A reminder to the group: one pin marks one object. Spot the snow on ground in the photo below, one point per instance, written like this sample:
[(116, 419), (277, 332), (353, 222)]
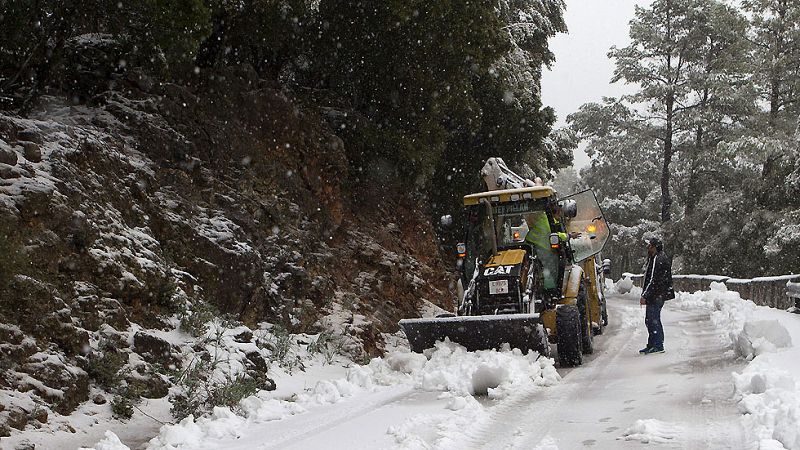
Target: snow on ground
[(722, 346), (454, 374), (652, 430), (768, 389)]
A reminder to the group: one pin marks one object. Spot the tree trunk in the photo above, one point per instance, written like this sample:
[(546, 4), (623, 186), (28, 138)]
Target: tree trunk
[(693, 186), (666, 200)]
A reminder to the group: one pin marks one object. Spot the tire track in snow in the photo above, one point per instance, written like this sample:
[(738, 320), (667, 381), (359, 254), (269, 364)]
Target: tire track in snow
[(523, 421), (684, 394), (294, 431)]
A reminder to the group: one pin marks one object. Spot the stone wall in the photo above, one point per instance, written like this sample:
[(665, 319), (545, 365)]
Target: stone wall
[(793, 291)]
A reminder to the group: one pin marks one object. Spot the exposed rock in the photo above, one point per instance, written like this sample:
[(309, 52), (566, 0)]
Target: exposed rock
[(244, 337), (5, 430), (40, 414), (151, 386), (95, 312), (80, 234), (141, 80), (25, 445), (17, 418), (31, 151), (154, 349), (257, 362), (30, 135), (65, 387), (99, 399), (114, 338), (68, 337), (7, 154), (13, 345), (8, 172)]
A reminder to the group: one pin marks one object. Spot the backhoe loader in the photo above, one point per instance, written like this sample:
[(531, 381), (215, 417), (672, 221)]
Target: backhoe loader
[(529, 272)]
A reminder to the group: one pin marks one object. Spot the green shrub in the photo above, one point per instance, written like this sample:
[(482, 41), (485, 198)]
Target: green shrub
[(105, 370), (329, 345), (200, 393), (122, 407), (194, 319), (279, 342)]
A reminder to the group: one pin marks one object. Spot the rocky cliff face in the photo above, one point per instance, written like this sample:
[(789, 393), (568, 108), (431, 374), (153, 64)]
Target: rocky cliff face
[(159, 205)]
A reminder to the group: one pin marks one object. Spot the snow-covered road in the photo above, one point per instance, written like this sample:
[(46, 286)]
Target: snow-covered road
[(691, 397), (682, 397)]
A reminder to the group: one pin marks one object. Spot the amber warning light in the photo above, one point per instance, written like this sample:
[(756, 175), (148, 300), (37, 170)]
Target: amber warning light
[(554, 242)]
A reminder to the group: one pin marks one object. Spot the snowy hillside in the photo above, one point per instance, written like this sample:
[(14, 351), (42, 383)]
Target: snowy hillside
[(119, 249)]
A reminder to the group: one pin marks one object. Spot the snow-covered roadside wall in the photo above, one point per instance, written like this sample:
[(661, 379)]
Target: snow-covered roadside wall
[(764, 291)]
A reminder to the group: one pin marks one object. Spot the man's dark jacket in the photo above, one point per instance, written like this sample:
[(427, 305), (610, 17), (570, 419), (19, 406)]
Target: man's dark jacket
[(658, 279)]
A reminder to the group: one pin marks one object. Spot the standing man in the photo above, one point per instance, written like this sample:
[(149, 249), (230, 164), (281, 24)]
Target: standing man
[(657, 289)]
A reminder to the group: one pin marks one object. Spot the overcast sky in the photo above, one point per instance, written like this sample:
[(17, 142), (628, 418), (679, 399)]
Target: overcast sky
[(582, 71)]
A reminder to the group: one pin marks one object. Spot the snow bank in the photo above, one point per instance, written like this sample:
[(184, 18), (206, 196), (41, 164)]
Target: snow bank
[(768, 389), (624, 287), (449, 368), (762, 336), (496, 374), (770, 400)]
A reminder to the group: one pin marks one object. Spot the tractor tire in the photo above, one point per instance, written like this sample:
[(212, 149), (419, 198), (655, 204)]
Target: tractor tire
[(587, 335), (604, 312), (568, 336)]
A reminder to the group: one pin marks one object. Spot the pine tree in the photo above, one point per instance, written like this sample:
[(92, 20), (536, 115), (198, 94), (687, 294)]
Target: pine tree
[(775, 35), (720, 97), (658, 59)]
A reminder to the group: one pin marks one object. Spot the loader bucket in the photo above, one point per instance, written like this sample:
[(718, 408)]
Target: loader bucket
[(522, 331)]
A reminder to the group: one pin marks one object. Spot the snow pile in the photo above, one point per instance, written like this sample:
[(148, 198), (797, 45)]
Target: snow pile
[(448, 368), (451, 368), (762, 336), (547, 443), (461, 375), (623, 286), (768, 389), (110, 442), (496, 374), (770, 400), (223, 423), (651, 430), (739, 319)]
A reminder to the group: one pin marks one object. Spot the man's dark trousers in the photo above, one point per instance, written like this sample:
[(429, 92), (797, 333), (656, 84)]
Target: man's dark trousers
[(652, 318)]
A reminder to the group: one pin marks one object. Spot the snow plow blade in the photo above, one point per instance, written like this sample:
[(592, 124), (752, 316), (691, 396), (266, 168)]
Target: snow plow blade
[(522, 331)]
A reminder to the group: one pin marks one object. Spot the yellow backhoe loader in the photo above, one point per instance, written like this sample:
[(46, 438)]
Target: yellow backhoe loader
[(529, 272)]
